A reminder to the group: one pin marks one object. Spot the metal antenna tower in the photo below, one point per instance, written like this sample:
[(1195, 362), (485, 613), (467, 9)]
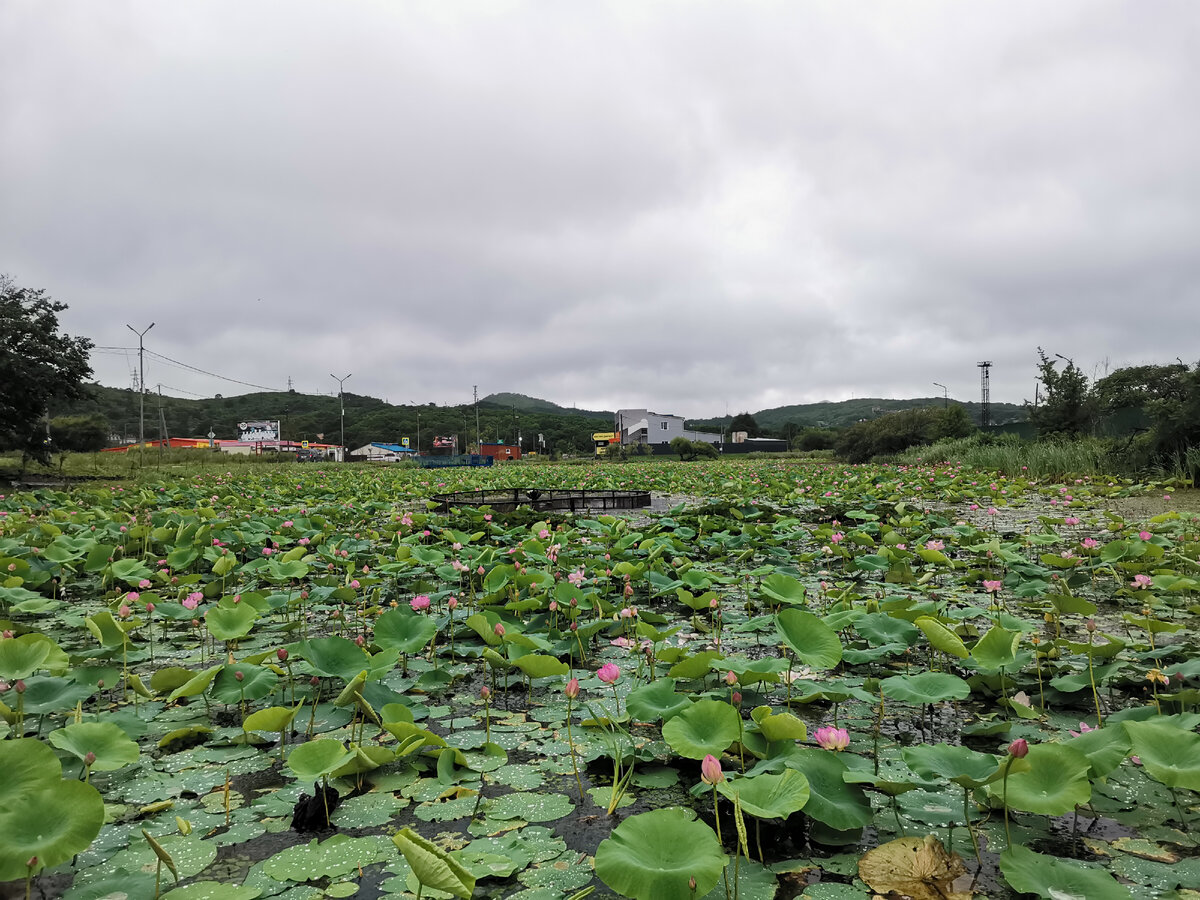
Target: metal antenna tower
[(141, 384), (985, 393)]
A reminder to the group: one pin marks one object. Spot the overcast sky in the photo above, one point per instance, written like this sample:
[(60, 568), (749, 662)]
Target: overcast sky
[(687, 206)]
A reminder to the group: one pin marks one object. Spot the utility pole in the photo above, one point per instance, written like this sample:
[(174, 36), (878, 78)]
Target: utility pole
[(478, 439), (418, 431), (141, 383), (945, 395), (342, 399)]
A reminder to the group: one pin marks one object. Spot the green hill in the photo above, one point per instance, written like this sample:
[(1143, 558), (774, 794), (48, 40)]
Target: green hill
[(842, 413), (308, 416), (532, 404)]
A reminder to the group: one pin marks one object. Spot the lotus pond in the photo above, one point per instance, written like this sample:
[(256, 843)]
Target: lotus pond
[(803, 680)]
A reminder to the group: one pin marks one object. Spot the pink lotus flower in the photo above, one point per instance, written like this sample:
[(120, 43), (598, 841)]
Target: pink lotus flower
[(992, 587), (419, 603), (710, 770), (1018, 748), (1084, 728), (830, 738), (1071, 520), (1090, 543), (1142, 582), (935, 545), (609, 673), (499, 630), (1144, 535)]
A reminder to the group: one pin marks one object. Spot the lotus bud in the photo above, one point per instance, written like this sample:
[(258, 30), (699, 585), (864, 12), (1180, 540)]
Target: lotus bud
[(730, 678), (240, 676), (574, 626), (736, 697), (572, 689), (282, 654), (485, 692), (89, 759), (32, 862), (553, 606), (710, 770), (1018, 748), (314, 681), (360, 640), (499, 630), (1091, 626), (452, 603), (692, 884), (20, 686)]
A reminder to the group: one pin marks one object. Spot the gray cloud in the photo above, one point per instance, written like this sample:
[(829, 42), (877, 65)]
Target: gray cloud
[(679, 206)]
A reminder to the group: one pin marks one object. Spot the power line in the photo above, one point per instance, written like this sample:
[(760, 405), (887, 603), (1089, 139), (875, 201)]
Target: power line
[(213, 374)]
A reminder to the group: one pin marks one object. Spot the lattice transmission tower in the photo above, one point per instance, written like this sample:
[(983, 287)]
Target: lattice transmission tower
[(985, 393)]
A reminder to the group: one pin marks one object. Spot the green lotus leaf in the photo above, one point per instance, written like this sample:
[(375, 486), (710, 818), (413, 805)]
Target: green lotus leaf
[(196, 685), (334, 657), (112, 746), (535, 665), (230, 623), (706, 727), (779, 727), (656, 700), (337, 855), (1105, 748), (41, 814), (652, 856), (47, 695), (213, 890), (769, 796), (783, 589), (364, 759), (106, 630), (1058, 879), (406, 632), (1054, 784), (941, 637), (962, 765), (1169, 754), (257, 682), (20, 657), (314, 759), (433, 866), (839, 805), (695, 666), (997, 649), (814, 643), (880, 629), (170, 678), (273, 719), (926, 687)]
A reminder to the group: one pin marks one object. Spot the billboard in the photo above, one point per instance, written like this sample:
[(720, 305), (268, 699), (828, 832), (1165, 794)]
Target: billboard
[(260, 432)]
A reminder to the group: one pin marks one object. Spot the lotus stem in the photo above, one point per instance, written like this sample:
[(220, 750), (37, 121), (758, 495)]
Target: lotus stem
[(1092, 679), (970, 830), (1007, 831), (571, 744)]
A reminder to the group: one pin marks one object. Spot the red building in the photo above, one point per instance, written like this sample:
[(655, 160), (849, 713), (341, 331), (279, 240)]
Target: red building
[(500, 452)]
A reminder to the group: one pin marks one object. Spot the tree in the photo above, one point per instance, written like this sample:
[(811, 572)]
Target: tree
[(38, 366), (79, 434), (1067, 407), (745, 422)]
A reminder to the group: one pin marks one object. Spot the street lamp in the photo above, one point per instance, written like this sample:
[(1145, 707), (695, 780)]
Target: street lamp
[(341, 382), (141, 385), (945, 395)]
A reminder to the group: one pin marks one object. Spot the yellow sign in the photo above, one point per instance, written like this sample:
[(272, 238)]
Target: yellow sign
[(403, 442), (304, 445)]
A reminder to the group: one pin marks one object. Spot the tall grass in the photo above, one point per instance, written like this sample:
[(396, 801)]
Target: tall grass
[(1036, 459)]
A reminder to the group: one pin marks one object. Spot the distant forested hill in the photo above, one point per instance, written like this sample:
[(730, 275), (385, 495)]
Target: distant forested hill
[(305, 416)]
